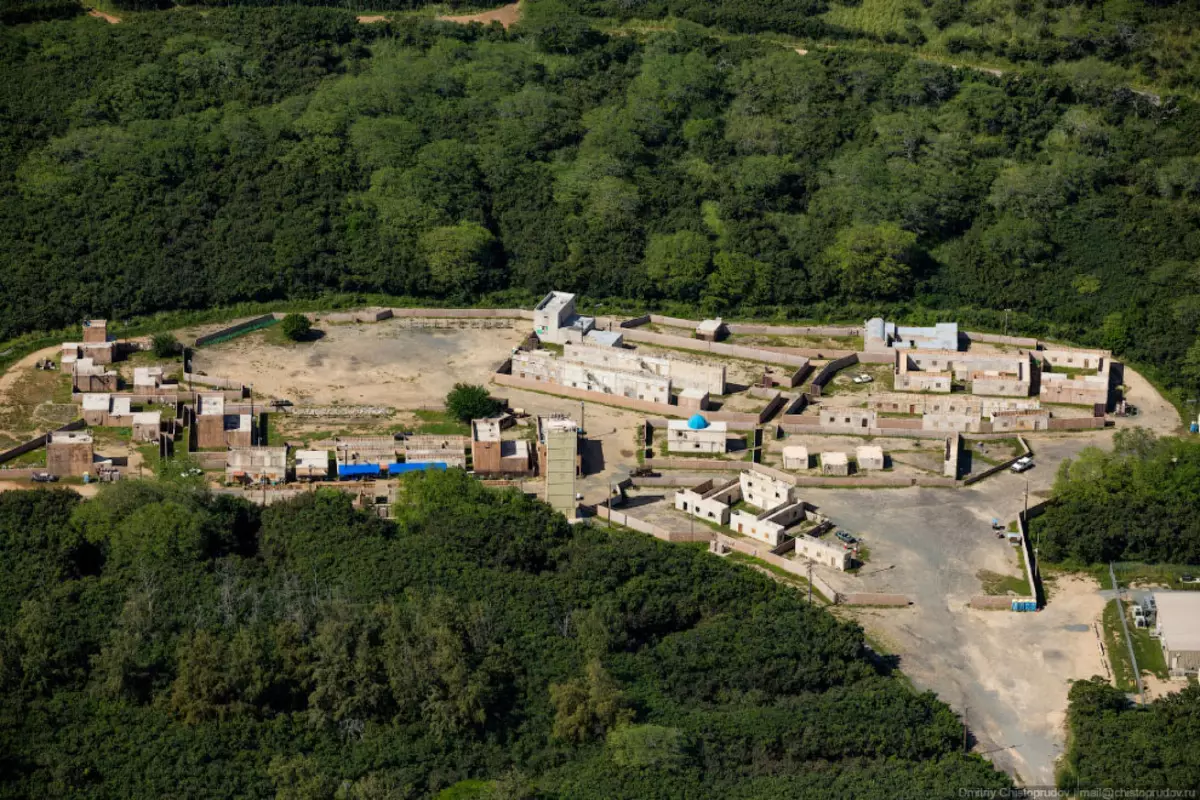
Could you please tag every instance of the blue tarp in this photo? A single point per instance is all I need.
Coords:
(358, 470)
(397, 468)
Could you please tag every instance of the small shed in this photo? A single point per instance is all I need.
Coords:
(836, 464)
(146, 426)
(693, 400)
(869, 457)
(69, 453)
(712, 330)
(312, 465)
(795, 456)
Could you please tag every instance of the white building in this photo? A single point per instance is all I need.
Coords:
(835, 464)
(312, 465)
(881, 335)
(825, 553)
(767, 489)
(1178, 628)
(869, 457)
(795, 456)
(769, 526)
(709, 500)
(696, 435)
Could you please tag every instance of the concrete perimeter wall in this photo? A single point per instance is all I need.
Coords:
(829, 370)
(36, 442)
(464, 313)
(995, 338)
(766, 356)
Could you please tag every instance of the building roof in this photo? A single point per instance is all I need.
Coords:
(71, 437)
(486, 430)
(1179, 619)
(398, 468)
(147, 418)
(868, 451)
(696, 394)
(144, 375)
(554, 301)
(210, 403)
(121, 406)
(312, 459)
(96, 402)
(257, 457)
(836, 457)
(605, 338)
(357, 470)
(709, 326)
(697, 422)
(795, 451)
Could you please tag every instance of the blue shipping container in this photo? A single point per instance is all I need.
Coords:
(358, 470)
(398, 469)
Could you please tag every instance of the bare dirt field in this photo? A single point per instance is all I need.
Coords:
(505, 15)
(382, 364)
(109, 18)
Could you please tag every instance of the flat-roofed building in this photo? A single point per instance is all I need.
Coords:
(256, 464)
(558, 455)
(436, 449)
(712, 330)
(147, 379)
(147, 425)
(825, 553)
(847, 420)
(95, 331)
(768, 526)
(1178, 627)
(795, 456)
(70, 453)
(696, 435)
(710, 500)
(312, 465)
(493, 455)
(88, 376)
(767, 488)
(869, 457)
(692, 400)
(835, 464)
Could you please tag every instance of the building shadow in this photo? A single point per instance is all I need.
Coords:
(592, 455)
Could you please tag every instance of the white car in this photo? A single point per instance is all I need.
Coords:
(1023, 463)
(863, 378)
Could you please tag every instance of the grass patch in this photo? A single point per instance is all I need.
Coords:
(1155, 575)
(1118, 652)
(1149, 653)
(440, 423)
(778, 572)
(996, 584)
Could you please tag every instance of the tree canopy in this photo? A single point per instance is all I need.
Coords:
(158, 641)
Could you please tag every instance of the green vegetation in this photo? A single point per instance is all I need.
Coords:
(1136, 503)
(189, 160)
(997, 584)
(1117, 649)
(295, 327)
(158, 641)
(164, 345)
(440, 422)
(1113, 744)
(466, 402)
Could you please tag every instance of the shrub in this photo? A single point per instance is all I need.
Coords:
(165, 345)
(466, 402)
(295, 327)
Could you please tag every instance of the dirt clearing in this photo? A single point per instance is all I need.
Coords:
(505, 15)
(109, 18)
(384, 364)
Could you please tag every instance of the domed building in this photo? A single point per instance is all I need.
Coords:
(696, 435)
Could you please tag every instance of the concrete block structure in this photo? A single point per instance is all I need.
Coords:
(880, 335)
(696, 435)
(847, 420)
(712, 330)
(427, 449)
(256, 464)
(910, 377)
(795, 456)
(824, 553)
(147, 425)
(692, 400)
(147, 379)
(1076, 377)
(710, 500)
(492, 455)
(70, 453)
(107, 410)
(378, 451)
(682, 374)
(540, 365)
(951, 455)
(88, 376)
(95, 331)
(767, 488)
(1178, 628)
(216, 429)
(555, 320)
(312, 465)
(1031, 420)
(869, 457)
(965, 421)
(835, 464)
(558, 455)
(769, 526)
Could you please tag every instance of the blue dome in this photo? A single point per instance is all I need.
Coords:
(697, 422)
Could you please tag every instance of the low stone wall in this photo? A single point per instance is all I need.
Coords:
(697, 463)
(762, 552)
(760, 354)
(1076, 423)
(38, 441)
(464, 313)
(794, 330)
(829, 370)
(995, 338)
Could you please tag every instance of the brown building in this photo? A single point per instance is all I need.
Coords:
(69, 453)
(492, 455)
(146, 426)
(95, 331)
(88, 376)
(224, 430)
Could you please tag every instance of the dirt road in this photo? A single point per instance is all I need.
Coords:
(505, 15)
(109, 18)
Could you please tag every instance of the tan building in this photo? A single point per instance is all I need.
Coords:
(107, 410)
(835, 464)
(147, 379)
(847, 420)
(435, 449)
(712, 330)
(795, 456)
(696, 435)
(95, 331)
(869, 457)
(1178, 627)
(256, 464)
(558, 454)
(147, 425)
(824, 553)
(69, 453)
(312, 465)
(88, 376)
(692, 400)
(492, 455)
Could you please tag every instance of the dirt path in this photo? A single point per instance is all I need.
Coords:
(109, 18)
(1154, 411)
(10, 376)
(367, 20)
(505, 15)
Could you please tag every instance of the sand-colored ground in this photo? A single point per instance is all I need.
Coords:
(505, 15)
(382, 364)
(109, 18)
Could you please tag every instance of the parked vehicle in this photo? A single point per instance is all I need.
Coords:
(1023, 463)
(863, 378)
(845, 537)
(1188, 579)
(43, 477)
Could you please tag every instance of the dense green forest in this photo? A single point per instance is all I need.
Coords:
(187, 160)
(1136, 503)
(159, 642)
(1116, 745)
